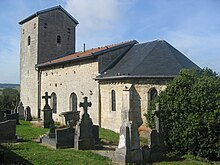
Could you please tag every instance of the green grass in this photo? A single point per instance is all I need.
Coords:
(30, 152)
(109, 136)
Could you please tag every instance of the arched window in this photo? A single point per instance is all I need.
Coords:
(152, 94)
(58, 39)
(53, 102)
(29, 40)
(73, 102)
(113, 96)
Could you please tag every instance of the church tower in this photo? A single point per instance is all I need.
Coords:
(44, 35)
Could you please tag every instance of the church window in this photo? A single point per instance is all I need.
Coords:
(73, 102)
(34, 25)
(113, 97)
(53, 102)
(23, 31)
(29, 40)
(152, 94)
(58, 39)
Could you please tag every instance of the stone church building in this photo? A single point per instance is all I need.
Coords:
(121, 76)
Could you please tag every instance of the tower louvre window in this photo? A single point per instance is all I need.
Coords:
(58, 39)
(29, 40)
(113, 97)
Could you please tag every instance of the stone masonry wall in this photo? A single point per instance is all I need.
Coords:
(77, 78)
(140, 99)
(28, 60)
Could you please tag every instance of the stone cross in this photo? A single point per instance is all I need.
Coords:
(46, 97)
(157, 117)
(85, 105)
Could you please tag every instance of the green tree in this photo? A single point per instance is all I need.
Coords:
(190, 113)
(9, 98)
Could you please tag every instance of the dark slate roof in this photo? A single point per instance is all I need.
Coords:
(47, 10)
(151, 59)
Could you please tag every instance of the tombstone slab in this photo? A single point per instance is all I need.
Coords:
(27, 114)
(13, 116)
(20, 110)
(70, 116)
(8, 130)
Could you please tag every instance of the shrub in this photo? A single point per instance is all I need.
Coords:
(190, 113)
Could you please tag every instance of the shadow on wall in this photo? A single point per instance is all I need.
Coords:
(7, 156)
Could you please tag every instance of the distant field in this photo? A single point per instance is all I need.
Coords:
(3, 85)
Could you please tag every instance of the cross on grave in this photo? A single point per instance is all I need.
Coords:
(85, 105)
(46, 97)
(157, 117)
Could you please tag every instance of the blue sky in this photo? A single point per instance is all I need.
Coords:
(191, 26)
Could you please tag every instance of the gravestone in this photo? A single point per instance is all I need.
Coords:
(20, 111)
(70, 116)
(13, 116)
(154, 151)
(128, 150)
(48, 112)
(64, 138)
(84, 138)
(27, 114)
(2, 156)
(8, 130)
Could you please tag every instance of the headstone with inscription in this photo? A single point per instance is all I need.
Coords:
(8, 130)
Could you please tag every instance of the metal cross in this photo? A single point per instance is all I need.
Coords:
(46, 97)
(85, 105)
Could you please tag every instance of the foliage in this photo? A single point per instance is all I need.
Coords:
(9, 98)
(190, 110)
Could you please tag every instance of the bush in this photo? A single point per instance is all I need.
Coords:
(190, 114)
(9, 98)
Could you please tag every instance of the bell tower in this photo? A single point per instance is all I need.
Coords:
(44, 35)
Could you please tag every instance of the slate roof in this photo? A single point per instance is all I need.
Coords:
(47, 10)
(78, 56)
(151, 59)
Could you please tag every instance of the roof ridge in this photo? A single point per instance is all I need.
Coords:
(47, 10)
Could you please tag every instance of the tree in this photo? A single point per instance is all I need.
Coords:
(9, 98)
(190, 113)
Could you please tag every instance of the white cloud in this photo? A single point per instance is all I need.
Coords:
(99, 21)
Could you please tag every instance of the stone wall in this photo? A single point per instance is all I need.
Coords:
(43, 31)
(28, 60)
(64, 80)
(139, 101)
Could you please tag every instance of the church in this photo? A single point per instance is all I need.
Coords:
(116, 77)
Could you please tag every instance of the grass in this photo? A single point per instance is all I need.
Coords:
(30, 152)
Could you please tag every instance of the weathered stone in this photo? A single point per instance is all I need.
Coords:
(2, 156)
(20, 111)
(13, 116)
(1, 116)
(47, 118)
(70, 116)
(8, 130)
(64, 138)
(27, 114)
(84, 138)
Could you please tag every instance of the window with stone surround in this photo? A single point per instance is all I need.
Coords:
(53, 102)
(152, 94)
(73, 102)
(113, 100)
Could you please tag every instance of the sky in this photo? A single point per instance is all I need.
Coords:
(191, 26)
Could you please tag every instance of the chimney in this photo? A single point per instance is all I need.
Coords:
(84, 47)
